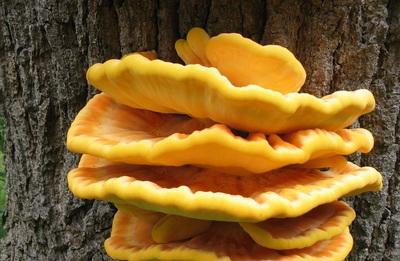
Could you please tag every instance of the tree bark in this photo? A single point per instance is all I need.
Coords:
(47, 45)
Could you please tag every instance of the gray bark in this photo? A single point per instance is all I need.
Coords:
(46, 46)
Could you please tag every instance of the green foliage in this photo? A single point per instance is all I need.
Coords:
(2, 170)
(2, 136)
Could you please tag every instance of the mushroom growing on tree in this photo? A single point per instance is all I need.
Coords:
(220, 160)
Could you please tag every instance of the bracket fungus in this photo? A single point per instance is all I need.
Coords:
(320, 223)
(206, 193)
(202, 92)
(151, 138)
(223, 241)
(272, 66)
(215, 161)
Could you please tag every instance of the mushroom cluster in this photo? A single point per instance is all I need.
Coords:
(221, 158)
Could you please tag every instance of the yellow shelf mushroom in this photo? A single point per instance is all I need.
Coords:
(119, 133)
(176, 148)
(208, 194)
(172, 228)
(320, 223)
(202, 92)
(131, 240)
(244, 61)
(193, 50)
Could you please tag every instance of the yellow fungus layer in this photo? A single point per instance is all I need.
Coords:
(131, 240)
(202, 92)
(321, 223)
(212, 195)
(244, 61)
(119, 133)
(151, 55)
(186, 53)
(327, 162)
(172, 228)
(197, 40)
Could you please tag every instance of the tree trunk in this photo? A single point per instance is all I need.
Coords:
(47, 45)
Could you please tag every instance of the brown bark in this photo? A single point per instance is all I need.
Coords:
(46, 46)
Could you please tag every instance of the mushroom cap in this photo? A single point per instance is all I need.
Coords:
(202, 92)
(186, 53)
(244, 61)
(208, 194)
(193, 50)
(320, 223)
(131, 240)
(119, 133)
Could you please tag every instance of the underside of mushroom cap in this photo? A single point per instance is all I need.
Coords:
(320, 223)
(119, 133)
(202, 92)
(208, 194)
(172, 228)
(131, 240)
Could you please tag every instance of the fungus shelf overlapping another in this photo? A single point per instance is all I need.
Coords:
(151, 138)
(202, 92)
(272, 66)
(209, 194)
(220, 159)
(223, 241)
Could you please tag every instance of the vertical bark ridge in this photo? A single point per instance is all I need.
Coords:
(168, 29)
(224, 16)
(377, 228)
(192, 13)
(253, 18)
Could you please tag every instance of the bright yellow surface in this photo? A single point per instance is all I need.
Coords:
(186, 53)
(212, 195)
(194, 49)
(119, 133)
(321, 223)
(202, 92)
(244, 61)
(223, 241)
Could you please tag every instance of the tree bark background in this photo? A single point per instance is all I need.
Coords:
(47, 45)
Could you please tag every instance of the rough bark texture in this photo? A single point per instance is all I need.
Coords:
(46, 46)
